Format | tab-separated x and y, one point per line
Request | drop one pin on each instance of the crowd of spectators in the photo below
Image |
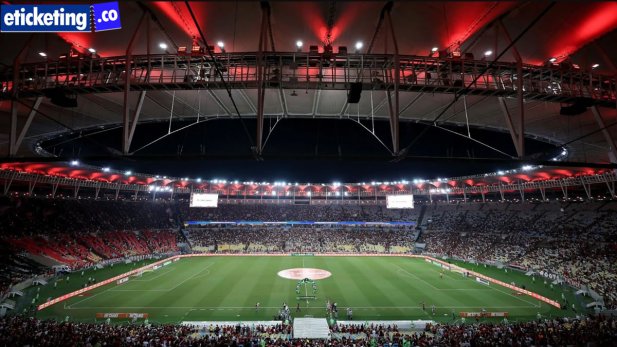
574	242
16	267
381	333
588	331
302	239
591	331
26	331
36	233
31	216
290	212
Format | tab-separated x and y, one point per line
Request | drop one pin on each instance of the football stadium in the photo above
308	173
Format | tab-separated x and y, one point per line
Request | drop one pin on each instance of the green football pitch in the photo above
376	288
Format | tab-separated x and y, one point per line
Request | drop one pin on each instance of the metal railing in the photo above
301	70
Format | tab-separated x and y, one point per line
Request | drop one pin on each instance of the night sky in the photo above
305	150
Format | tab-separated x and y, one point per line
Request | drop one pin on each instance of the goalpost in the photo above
448	267
140	273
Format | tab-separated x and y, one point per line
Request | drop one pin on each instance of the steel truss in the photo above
301	70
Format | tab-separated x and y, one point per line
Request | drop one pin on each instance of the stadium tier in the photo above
17	331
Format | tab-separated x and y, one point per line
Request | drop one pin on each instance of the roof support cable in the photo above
171	113
489	66
466	115
220	74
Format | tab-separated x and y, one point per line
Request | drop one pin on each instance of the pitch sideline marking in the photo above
139	290
514	296
194	308
90	297
155	290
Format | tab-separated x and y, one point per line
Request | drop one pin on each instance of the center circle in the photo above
301	273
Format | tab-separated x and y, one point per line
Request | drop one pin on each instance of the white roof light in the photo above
299	43
552	60
74	162
163	45
106	169
488	53
221	44
42	54
434	49
359	45
595	66
91	50
128	172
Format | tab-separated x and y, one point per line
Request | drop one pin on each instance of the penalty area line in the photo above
163	273
192	277
400	269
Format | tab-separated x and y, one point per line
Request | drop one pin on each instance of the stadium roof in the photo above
80	171
577	34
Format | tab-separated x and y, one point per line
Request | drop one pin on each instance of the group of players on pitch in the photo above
331	309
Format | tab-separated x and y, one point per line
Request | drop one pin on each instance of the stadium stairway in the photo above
43	260
421	216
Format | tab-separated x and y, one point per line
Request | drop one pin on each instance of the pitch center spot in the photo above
301	273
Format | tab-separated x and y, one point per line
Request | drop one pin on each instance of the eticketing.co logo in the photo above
60	18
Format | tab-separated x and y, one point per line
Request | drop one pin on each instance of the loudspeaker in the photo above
572	110
63	98
355	91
